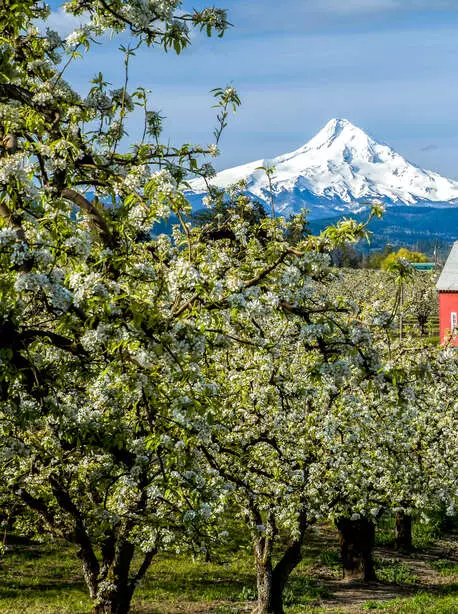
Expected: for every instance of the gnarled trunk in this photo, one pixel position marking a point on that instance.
(357, 538)
(403, 532)
(90, 567)
(115, 600)
(271, 581)
(264, 585)
(113, 589)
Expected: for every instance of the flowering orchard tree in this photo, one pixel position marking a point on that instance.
(421, 300)
(95, 353)
(310, 416)
(281, 364)
(400, 447)
(283, 359)
(103, 328)
(144, 381)
(424, 406)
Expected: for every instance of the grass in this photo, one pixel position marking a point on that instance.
(421, 603)
(384, 533)
(394, 571)
(330, 558)
(303, 591)
(46, 579)
(445, 567)
(41, 578)
(425, 534)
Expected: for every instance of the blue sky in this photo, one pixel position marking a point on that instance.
(389, 66)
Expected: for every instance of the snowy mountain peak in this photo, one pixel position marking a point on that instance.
(337, 171)
(344, 142)
(333, 129)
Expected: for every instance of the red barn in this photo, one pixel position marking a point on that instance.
(447, 286)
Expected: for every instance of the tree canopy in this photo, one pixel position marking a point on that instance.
(148, 381)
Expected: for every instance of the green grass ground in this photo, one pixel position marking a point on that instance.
(46, 579)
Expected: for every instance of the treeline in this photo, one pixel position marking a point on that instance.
(349, 256)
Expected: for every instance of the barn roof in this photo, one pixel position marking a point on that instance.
(448, 280)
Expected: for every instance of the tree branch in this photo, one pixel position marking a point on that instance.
(83, 203)
(260, 276)
(143, 567)
(80, 536)
(6, 214)
(10, 91)
(59, 340)
(37, 505)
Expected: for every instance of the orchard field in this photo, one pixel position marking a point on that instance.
(212, 419)
(45, 579)
(420, 304)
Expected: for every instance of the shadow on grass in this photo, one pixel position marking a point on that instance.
(202, 583)
(51, 588)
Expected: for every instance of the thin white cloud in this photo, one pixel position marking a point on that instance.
(62, 22)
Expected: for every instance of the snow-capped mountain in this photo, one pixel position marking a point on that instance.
(338, 171)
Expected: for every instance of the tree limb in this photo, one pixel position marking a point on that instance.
(6, 214)
(59, 340)
(83, 203)
(143, 568)
(10, 91)
(260, 276)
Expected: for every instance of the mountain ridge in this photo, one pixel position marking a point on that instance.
(336, 172)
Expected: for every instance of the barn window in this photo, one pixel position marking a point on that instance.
(453, 321)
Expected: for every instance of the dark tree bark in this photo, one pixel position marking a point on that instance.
(91, 570)
(422, 322)
(357, 538)
(271, 580)
(116, 601)
(116, 588)
(115, 591)
(110, 583)
(403, 532)
(263, 583)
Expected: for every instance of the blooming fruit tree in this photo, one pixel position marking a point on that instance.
(94, 353)
(146, 380)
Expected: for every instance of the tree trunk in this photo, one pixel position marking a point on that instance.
(286, 565)
(423, 322)
(401, 311)
(357, 538)
(403, 532)
(91, 569)
(113, 598)
(264, 586)
(115, 590)
(271, 582)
